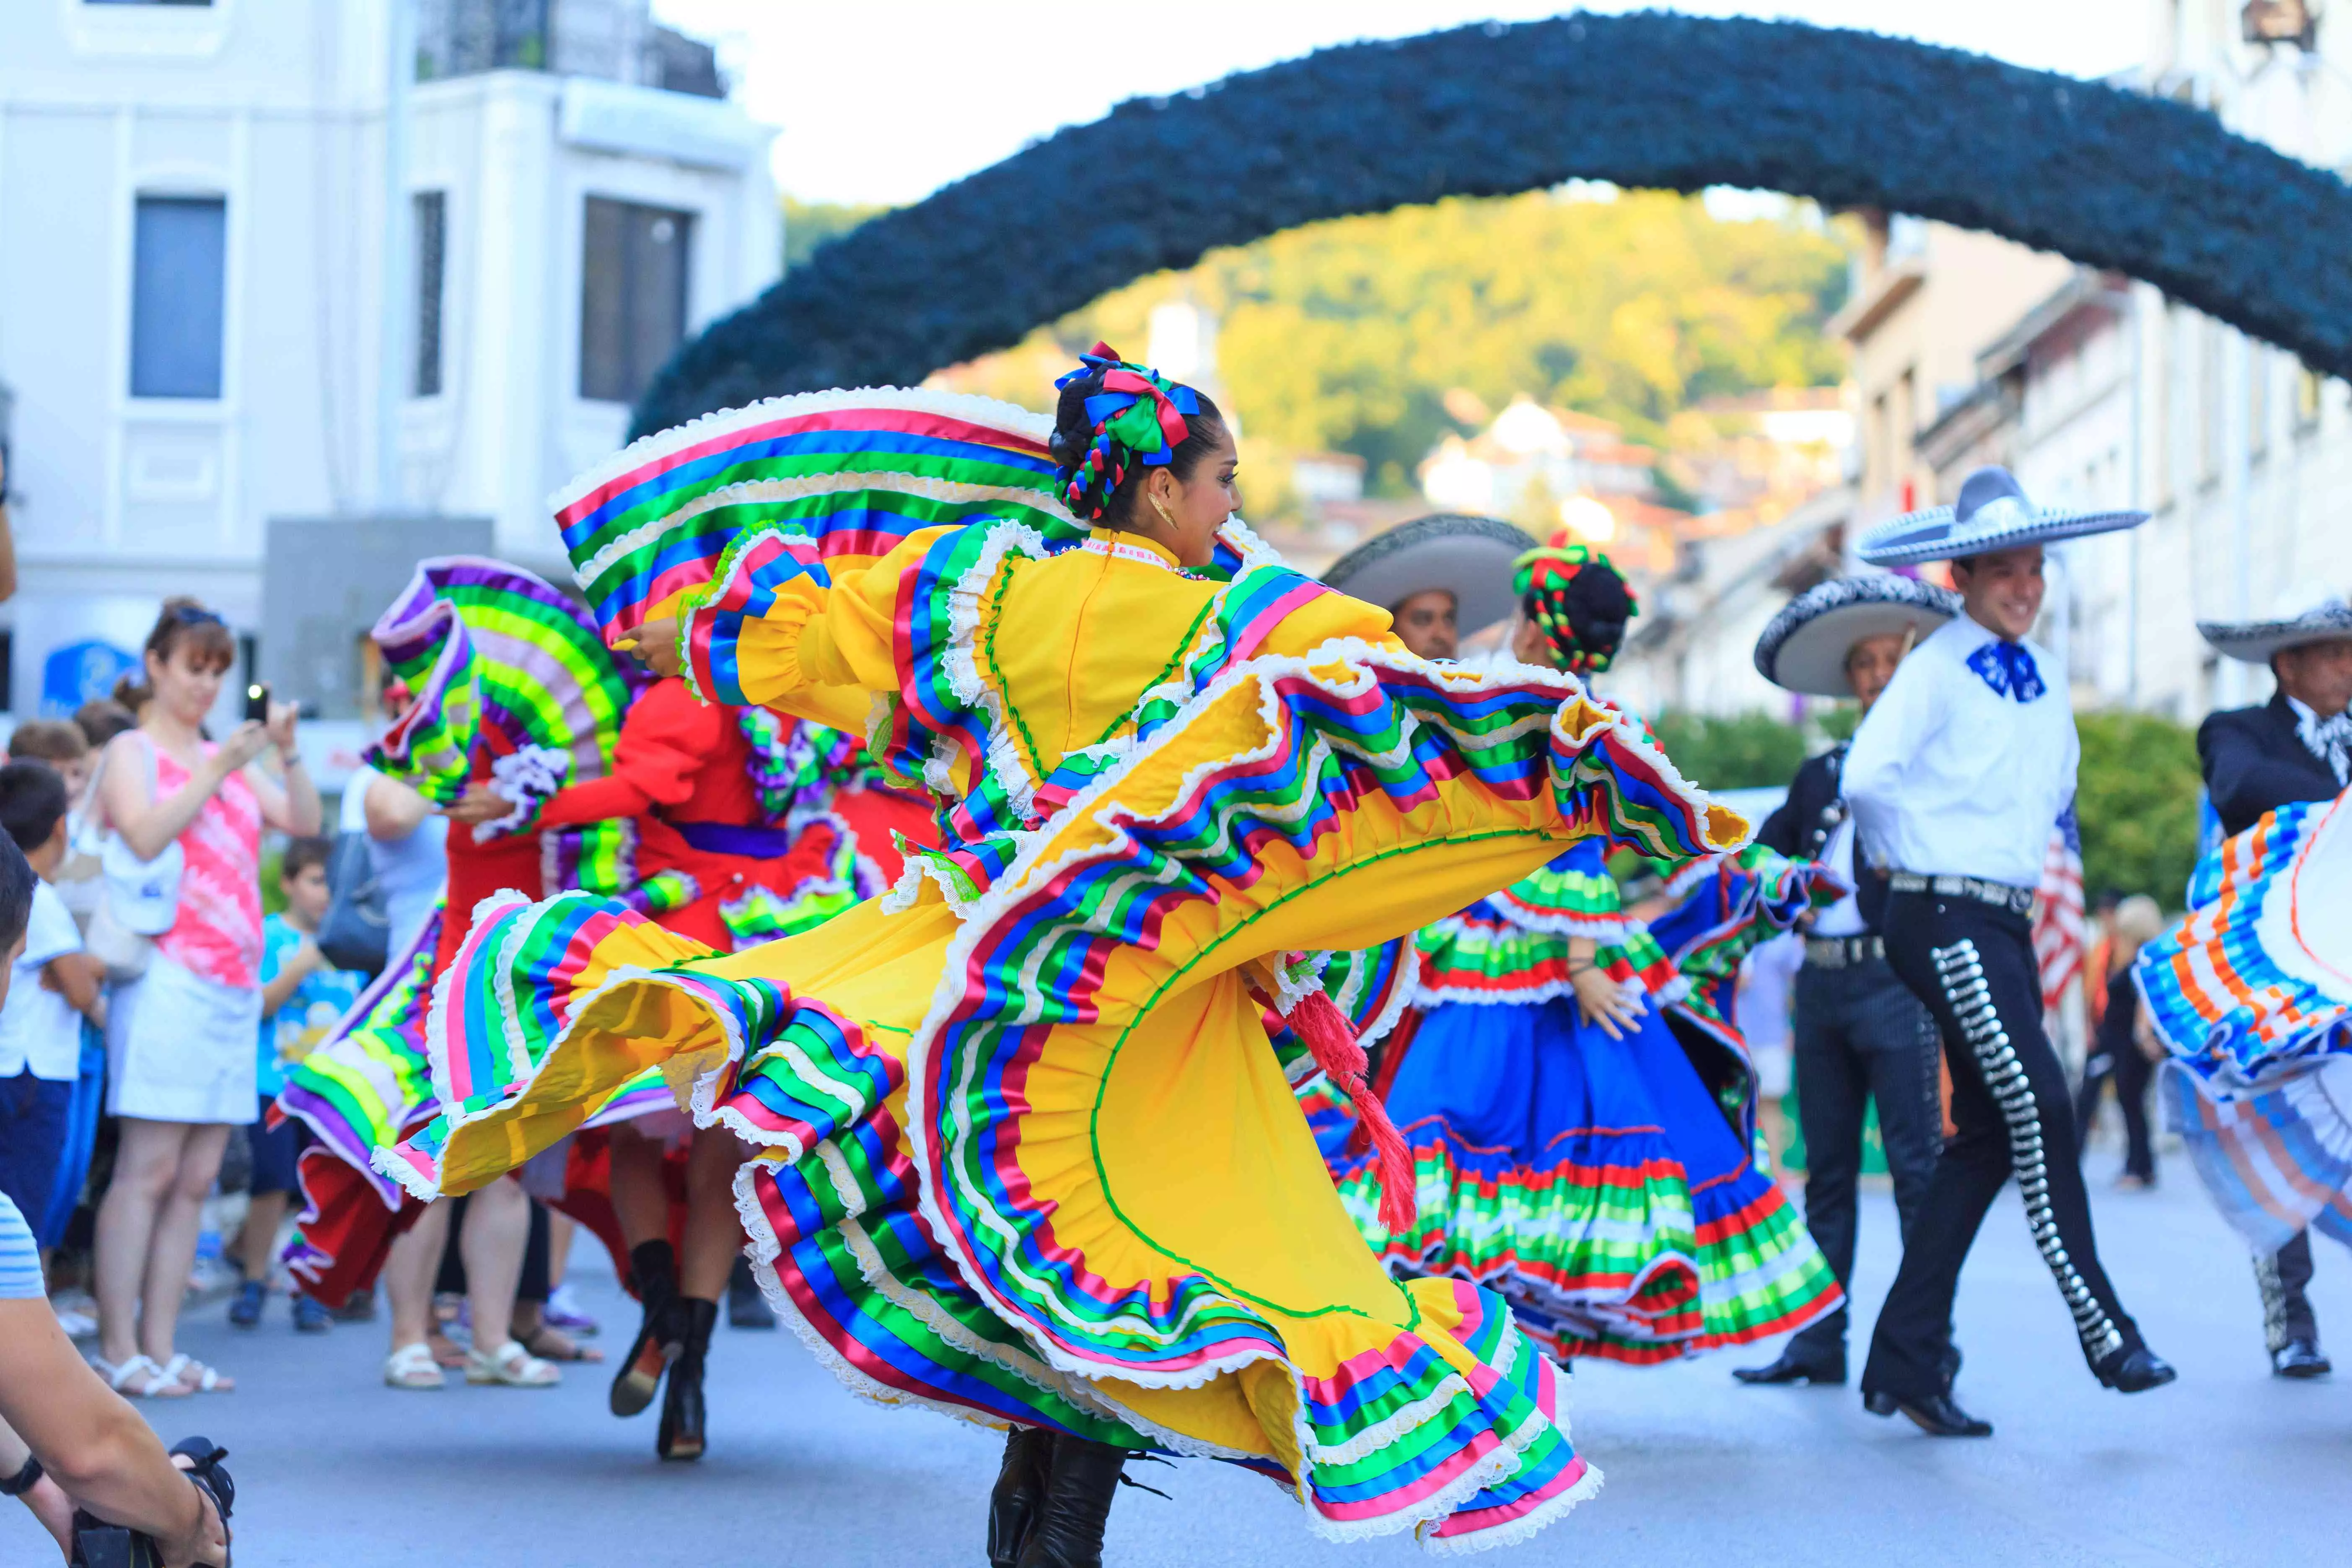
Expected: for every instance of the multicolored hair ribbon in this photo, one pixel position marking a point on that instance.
(1542, 577)
(1137, 417)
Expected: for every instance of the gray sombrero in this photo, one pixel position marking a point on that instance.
(2321, 617)
(1992, 514)
(1468, 556)
(1804, 647)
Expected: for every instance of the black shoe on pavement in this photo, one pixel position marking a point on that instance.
(2300, 1358)
(746, 1308)
(661, 1336)
(2134, 1369)
(1936, 1415)
(1794, 1367)
(1020, 1490)
(681, 1434)
(1069, 1528)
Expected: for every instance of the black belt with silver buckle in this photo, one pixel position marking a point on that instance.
(1843, 952)
(1999, 895)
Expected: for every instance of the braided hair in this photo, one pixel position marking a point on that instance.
(1118, 419)
(1578, 598)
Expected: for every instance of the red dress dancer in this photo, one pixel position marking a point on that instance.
(734, 847)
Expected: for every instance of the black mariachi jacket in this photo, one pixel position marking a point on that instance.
(1800, 828)
(2254, 762)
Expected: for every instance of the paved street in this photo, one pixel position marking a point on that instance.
(2225, 1466)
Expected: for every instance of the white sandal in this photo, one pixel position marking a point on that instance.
(208, 1379)
(412, 1367)
(139, 1378)
(513, 1366)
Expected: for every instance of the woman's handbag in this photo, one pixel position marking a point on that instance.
(357, 932)
(141, 901)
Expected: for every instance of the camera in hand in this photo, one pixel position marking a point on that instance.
(257, 702)
(100, 1545)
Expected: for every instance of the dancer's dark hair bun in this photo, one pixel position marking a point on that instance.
(1114, 421)
(1578, 598)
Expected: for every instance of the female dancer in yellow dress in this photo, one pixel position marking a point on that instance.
(1026, 1155)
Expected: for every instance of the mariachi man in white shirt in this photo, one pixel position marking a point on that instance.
(1957, 778)
(1860, 1036)
(2297, 746)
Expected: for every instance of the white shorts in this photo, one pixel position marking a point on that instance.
(180, 1047)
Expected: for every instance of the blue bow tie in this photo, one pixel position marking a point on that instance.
(2009, 669)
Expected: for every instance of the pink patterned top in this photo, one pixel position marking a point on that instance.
(217, 934)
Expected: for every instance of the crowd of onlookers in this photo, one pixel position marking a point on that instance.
(154, 1012)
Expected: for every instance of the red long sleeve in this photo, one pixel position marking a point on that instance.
(667, 739)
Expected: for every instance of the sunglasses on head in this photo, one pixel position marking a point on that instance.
(193, 615)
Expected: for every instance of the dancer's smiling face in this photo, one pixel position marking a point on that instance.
(1184, 513)
(2002, 589)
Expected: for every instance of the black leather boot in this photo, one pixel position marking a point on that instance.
(1020, 1490)
(746, 1308)
(1069, 1528)
(680, 1437)
(653, 1271)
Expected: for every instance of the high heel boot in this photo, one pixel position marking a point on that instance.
(1020, 1489)
(680, 1437)
(653, 1269)
(1069, 1528)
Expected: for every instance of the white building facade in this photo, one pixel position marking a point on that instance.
(253, 275)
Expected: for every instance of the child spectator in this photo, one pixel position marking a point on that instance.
(101, 719)
(60, 744)
(54, 986)
(301, 997)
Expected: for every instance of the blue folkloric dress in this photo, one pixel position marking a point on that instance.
(1610, 1189)
(2252, 994)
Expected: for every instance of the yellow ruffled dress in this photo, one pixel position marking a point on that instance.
(1026, 1155)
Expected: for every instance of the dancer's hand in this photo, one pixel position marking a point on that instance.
(1600, 999)
(478, 805)
(656, 646)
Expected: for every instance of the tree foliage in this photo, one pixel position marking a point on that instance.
(1744, 751)
(2136, 797)
(808, 225)
(1348, 336)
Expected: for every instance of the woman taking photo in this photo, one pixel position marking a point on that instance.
(181, 1066)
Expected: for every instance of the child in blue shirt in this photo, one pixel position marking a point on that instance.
(302, 997)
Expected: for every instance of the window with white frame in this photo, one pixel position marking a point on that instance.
(432, 211)
(178, 291)
(633, 280)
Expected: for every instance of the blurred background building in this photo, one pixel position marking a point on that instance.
(398, 267)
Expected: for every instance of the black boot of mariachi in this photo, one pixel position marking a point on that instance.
(680, 1437)
(1020, 1492)
(1069, 1528)
(652, 1270)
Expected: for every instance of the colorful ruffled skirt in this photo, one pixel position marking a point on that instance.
(2252, 994)
(1609, 1189)
(1036, 1161)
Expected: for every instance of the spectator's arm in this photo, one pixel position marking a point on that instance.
(48, 1502)
(93, 1445)
(7, 541)
(79, 979)
(290, 804)
(393, 810)
(278, 989)
(146, 824)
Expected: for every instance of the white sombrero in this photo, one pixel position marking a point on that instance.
(1469, 557)
(2302, 619)
(1804, 647)
(1992, 514)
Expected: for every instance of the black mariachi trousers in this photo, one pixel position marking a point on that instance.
(1860, 1036)
(1973, 967)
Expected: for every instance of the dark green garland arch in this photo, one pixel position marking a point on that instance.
(2112, 179)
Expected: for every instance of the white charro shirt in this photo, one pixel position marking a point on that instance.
(1949, 776)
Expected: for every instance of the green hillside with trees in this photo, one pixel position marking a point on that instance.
(1347, 336)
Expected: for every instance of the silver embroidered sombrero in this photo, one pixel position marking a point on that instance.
(2320, 617)
(1469, 557)
(1804, 647)
(1992, 514)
